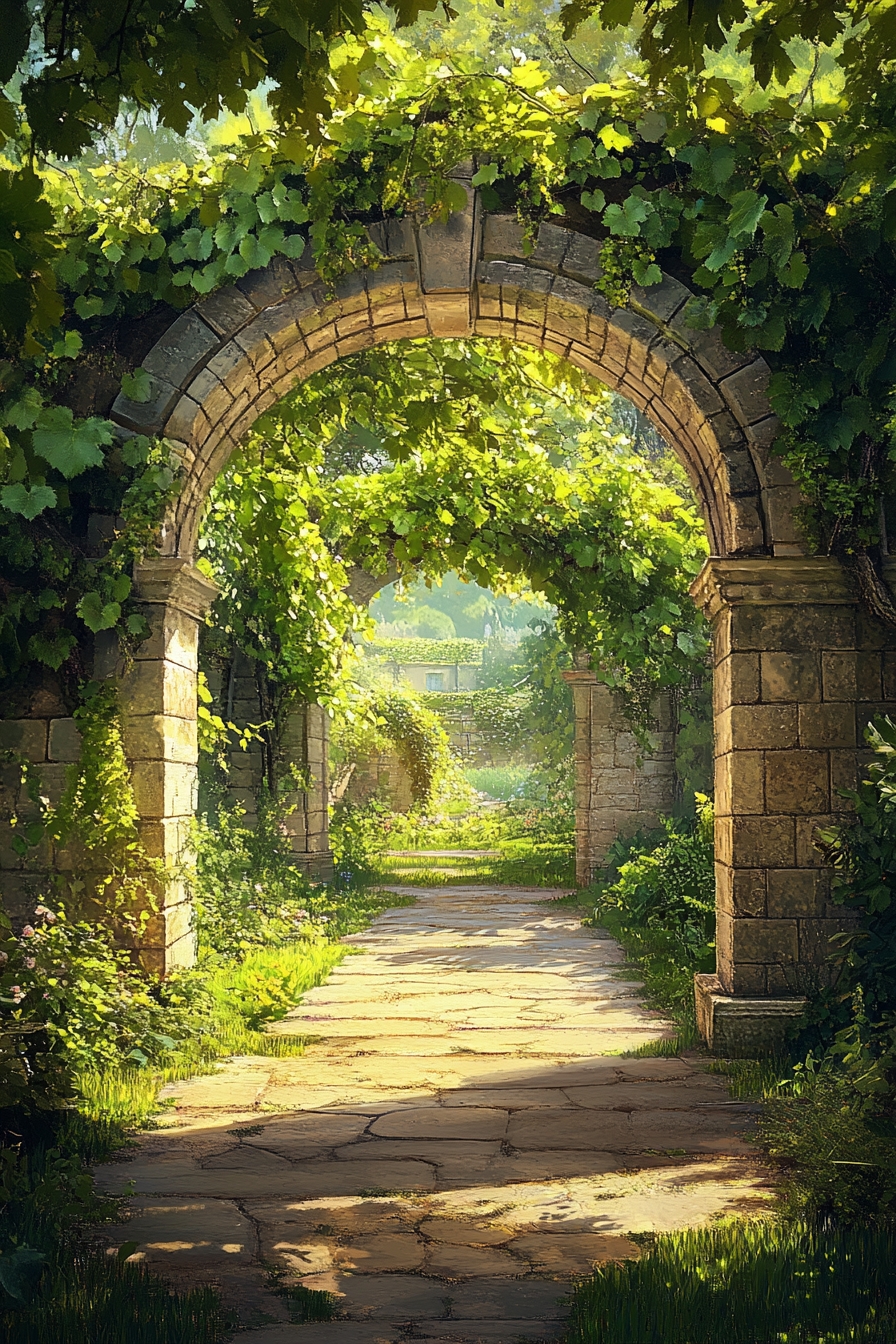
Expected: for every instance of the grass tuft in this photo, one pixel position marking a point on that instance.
(744, 1283)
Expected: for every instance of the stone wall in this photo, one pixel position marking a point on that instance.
(304, 745)
(619, 788)
(51, 744)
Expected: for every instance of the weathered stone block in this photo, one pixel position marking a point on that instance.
(765, 940)
(796, 892)
(791, 628)
(159, 687)
(741, 892)
(446, 251)
(747, 392)
(808, 855)
(740, 783)
(188, 343)
(759, 842)
(736, 680)
(839, 676)
(226, 311)
(827, 725)
(65, 740)
(746, 727)
(25, 737)
(502, 236)
(791, 676)
(744, 1027)
(797, 781)
(146, 417)
(164, 789)
(160, 737)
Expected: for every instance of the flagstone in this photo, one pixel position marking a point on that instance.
(480, 1122)
(460, 1139)
(570, 1253)
(384, 1253)
(463, 1262)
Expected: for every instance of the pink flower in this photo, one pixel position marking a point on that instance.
(4, 958)
(49, 917)
(30, 963)
(28, 931)
(16, 992)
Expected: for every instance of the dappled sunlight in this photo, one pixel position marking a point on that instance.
(466, 1127)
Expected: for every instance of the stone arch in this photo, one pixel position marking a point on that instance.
(797, 667)
(240, 350)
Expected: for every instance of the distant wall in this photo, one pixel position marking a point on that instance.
(304, 744)
(614, 793)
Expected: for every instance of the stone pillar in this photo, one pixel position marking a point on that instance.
(158, 698)
(798, 672)
(305, 743)
(619, 787)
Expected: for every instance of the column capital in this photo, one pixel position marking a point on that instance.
(774, 581)
(579, 677)
(172, 582)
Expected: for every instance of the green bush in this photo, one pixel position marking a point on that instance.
(657, 897)
(747, 1283)
(670, 886)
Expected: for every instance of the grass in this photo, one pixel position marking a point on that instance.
(745, 1283)
(501, 782)
(90, 1298)
(522, 862)
(666, 962)
(259, 989)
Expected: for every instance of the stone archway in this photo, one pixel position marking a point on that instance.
(796, 664)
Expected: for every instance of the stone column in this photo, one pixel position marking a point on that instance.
(306, 744)
(798, 671)
(158, 698)
(619, 787)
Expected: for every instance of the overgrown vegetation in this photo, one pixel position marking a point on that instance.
(744, 1283)
(527, 841)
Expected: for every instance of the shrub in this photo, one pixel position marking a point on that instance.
(247, 890)
(71, 1001)
(670, 886)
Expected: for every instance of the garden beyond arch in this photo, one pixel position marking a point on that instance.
(797, 667)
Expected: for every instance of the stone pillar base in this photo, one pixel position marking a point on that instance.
(319, 866)
(737, 1027)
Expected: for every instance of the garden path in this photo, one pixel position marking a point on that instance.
(462, 1142)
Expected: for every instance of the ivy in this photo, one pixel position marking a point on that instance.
(464, 652)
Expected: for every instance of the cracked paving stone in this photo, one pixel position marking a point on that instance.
(459, 1142)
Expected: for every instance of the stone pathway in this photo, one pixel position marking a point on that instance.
(463, 1141)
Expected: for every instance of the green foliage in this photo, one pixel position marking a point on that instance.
(671, 885)
(741, 1283)
(657, 898)
(498, 717)
(839, 1165)
(503, 467)
(396, 720)
(467, 652)
(89, 1296)
(54, 1287)
(778, 207)
(501, 782)
(528, 842)
(858, 1023)
(249, 893)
